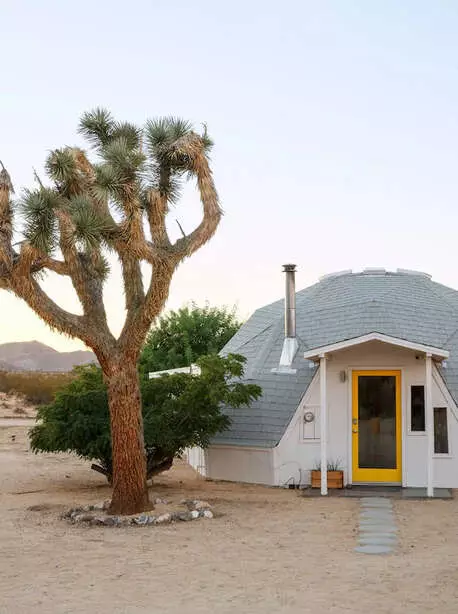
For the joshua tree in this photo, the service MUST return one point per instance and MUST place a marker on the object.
(118, 203)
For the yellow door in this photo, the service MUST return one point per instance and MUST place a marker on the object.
(376, 426)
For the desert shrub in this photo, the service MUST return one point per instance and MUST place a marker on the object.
(179, 411)
(181, 337)
(37, 387)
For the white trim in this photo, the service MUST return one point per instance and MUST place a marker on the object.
(445, 392)
(298, 414)
(349, 425)
(429, 420)
(404, 420)
(238, 447)
(341, 345)
(323, 426)
(192, 370)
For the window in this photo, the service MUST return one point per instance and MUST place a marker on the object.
(417, 408)
(440, 431)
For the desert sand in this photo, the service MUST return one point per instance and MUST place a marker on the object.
(271, 550)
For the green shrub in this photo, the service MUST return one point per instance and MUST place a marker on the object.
(179, 411)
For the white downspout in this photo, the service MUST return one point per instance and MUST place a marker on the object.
(429, 423)
(324, 429)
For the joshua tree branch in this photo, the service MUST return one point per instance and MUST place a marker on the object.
(139, 321)
(45, 262)
(212, 212)
(133, 282)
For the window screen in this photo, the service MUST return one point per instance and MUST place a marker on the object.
(417, 408)
(440, 430)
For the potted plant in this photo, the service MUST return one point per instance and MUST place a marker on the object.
(334, 472)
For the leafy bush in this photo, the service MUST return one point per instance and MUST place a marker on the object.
(182, 337)
(179, 411)
(37, 387)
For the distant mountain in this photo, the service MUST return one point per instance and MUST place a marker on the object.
(4, 366)
(35, 356)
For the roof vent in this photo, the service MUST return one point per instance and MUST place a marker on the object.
(410, 272)
(374, 271)
(337, 274)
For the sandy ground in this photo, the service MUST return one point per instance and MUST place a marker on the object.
(270, 551)
(14, 406)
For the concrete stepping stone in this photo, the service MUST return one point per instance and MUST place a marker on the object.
(377, 527)
(365, 522)
(378, 540)
(374, 549)
(377, 507)
(385, 503)
(385, 517)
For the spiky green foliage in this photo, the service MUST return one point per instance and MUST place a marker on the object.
(179, 411)
(40, 223)
(182, 337)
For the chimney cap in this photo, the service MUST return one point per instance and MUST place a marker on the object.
(289, 268)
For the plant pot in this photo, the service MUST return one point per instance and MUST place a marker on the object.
(335, 479)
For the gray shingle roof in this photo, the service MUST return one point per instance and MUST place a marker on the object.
(408, 306)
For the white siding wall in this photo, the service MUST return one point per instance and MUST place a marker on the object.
(240, 464)
(298, 451)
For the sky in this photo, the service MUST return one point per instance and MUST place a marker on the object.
(335, 126)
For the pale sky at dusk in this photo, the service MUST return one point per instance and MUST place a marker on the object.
(335, 126)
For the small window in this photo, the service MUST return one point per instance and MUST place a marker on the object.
(417, 408)
(440, 430)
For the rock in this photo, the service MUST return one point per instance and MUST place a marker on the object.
(202, 505)
(183, 516)
(100, 507)
(83, 514)
(83, 517)
(159, 501)
(163, 519)
(98, 520)
(140, 520)
(75, 512)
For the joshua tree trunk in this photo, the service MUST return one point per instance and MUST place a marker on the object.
(130, 493)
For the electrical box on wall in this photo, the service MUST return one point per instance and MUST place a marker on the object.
(310, 422)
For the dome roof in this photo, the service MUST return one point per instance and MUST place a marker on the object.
(341, 306)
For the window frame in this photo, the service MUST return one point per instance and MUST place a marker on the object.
(409, 411)
(409, 425)
(449, 439)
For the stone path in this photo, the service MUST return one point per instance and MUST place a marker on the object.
(377, 526)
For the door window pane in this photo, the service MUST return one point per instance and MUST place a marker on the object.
(417, 408)
(377, 421)
(440, 431)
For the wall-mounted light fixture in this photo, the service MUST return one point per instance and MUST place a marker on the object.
(343, 376)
